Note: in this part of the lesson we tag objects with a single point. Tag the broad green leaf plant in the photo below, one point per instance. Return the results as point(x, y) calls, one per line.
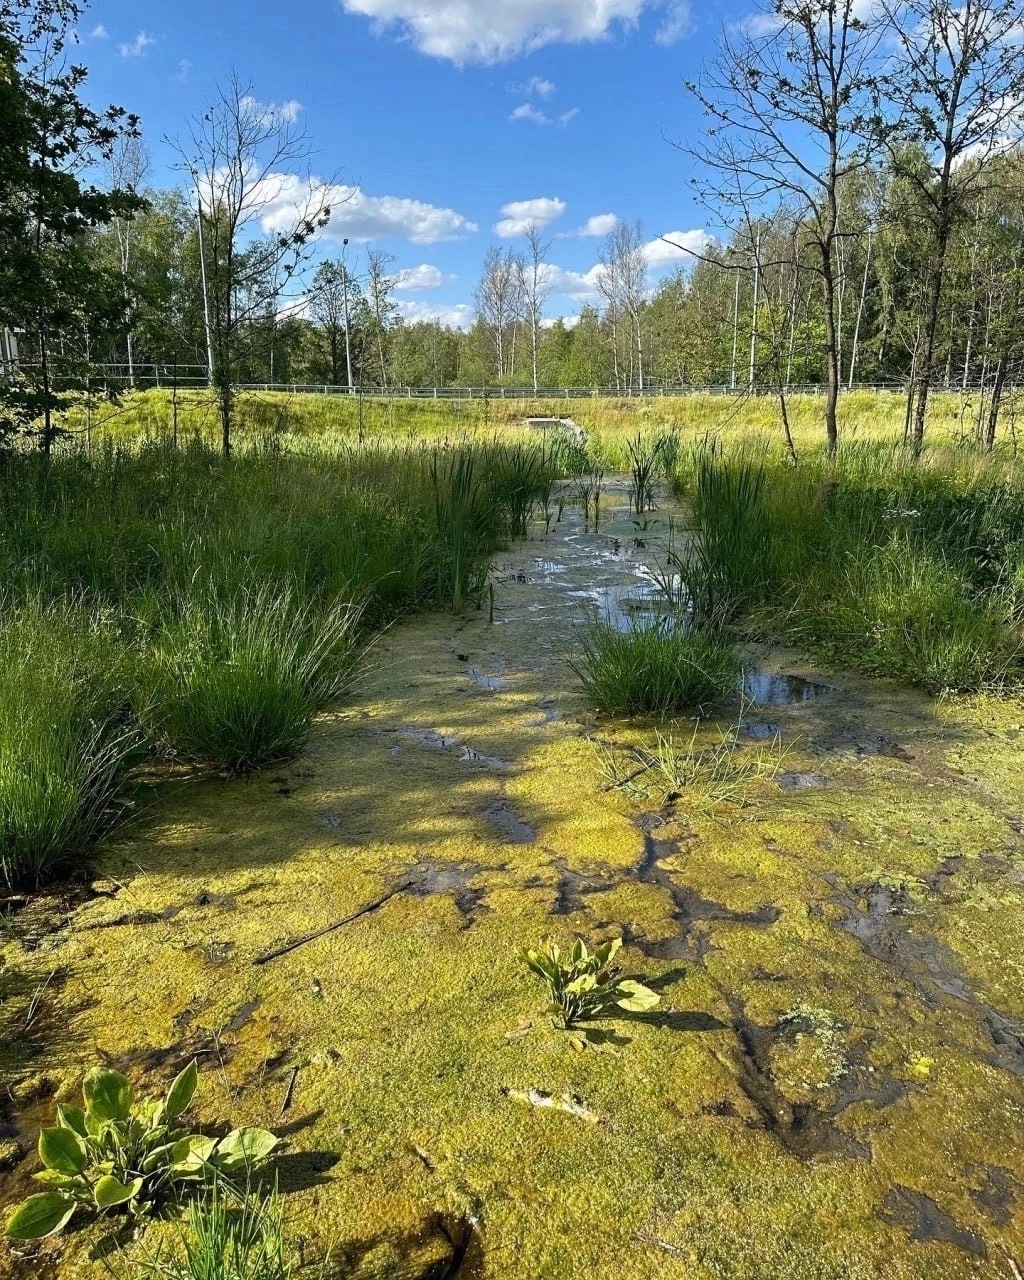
point(585, 984)
point(118, 1154)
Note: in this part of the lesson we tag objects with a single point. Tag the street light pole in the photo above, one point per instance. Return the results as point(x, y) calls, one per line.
point(344, 282)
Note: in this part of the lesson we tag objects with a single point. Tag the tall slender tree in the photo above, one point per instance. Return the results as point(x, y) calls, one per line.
point(791, 108)
point(242, 157)
point(957, 83)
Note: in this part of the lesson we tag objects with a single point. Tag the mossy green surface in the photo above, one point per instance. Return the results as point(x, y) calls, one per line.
point(780, 1116)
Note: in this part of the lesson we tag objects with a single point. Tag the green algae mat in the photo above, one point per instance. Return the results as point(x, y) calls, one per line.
point(831, 1088)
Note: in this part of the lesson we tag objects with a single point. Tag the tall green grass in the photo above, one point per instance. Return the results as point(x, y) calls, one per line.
point(655, 670)
point(235, 677)
point(67, 739)
point(896, 568)
point(158, 596)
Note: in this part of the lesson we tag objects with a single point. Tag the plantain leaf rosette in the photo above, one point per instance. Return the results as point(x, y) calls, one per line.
point(117, 1155)
point(586, 984)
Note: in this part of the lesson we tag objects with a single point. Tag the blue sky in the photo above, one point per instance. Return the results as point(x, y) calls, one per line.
point(450, 117)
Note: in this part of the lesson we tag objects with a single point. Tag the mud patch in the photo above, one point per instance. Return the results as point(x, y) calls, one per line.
point(573, 886)
point(568, 1103)
point(493, 684)
point(427, 879)
point(804, 1129)
point(512, 828)
point(995, 1192)
point(491, 763)
point(925, 1221)
point(689, 909)
point(802, 781)
point(431, 739)
point(759, 730)
point(875, 916)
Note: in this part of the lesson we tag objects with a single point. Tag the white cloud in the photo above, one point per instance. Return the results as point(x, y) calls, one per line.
point(678, 22)
point(424, 276)
point(581, 286)
point(538, 87)
point(458, 316)
point(358, 216)
point(527, 111)
point(670, 250)
point(522, 214)
point(137, 48)
point(99, 32)
point(601, 224)
point(270, 113)
point(184, 67)
point(496, 30)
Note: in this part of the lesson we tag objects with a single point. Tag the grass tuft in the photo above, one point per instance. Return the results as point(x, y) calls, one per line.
point(67, 741)
point(655, 670)
point(236, 677)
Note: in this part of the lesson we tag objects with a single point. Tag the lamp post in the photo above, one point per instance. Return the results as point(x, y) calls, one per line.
point(344, 284)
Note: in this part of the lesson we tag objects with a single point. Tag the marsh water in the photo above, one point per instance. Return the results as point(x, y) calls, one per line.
point(832, 1085)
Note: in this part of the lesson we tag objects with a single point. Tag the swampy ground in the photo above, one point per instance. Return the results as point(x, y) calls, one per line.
point(832, 1087)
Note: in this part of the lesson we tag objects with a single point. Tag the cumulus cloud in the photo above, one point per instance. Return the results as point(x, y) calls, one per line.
point(601, 224)
point(670, 250)
point(358, 216)
point(458, 316)
point(270, 113)
point(137, 48)
point(425, 276)
point(582, 286)
point(99, 32)
point(520, 215)
point(496, 30)
point(527, 111)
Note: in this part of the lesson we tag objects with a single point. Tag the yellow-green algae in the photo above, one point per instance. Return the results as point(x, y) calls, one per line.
point(418, 1036)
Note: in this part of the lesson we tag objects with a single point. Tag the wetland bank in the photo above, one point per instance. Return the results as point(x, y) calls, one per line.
point(822, 881)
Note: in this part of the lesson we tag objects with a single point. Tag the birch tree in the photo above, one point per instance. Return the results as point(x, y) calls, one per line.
point(622, 281)
point(957, 82)
point(789, 101)
point(249, 167)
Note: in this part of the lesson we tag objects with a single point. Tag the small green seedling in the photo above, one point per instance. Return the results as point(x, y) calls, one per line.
point(585, 985)
point(119, 1154)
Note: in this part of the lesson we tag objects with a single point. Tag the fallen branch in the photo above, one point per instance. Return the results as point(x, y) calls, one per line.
point(289, 1091)
point(645, 1237)
point(338, 924)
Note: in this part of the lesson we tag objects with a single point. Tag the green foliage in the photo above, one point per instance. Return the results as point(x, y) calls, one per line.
point(899, 610)
point(726, 566)
point(67, 741)
point(119, 1154)
point(895, 568)
point(704, 772)
point(51, 287)
point(227, 1235)
point(236, 675)
point(463, 522)
point(586, 985)
point(156, 597)
point(643, 456)
point(657, 669)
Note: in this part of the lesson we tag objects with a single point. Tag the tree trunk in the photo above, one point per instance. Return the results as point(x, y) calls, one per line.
point(925, 373)
point(993, 412)
point(832, 374)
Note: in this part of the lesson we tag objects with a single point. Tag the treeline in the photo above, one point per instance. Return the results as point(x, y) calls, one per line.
point(868, 173)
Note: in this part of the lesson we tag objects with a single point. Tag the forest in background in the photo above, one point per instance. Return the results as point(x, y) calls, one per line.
point(865, 174)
